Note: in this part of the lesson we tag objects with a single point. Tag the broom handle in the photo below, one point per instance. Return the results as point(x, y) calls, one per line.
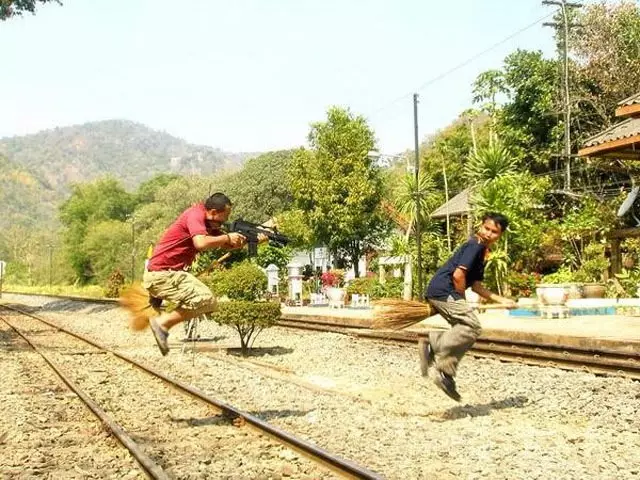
point(214, 263)
point(489, 306)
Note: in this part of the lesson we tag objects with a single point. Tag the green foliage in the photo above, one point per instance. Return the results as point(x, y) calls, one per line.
point(260, 190)
point(90, 204)
point(147, 190)
point(405, 199)
point(522, 284)
point(562, 275)
point(10, 8)
point(526, 121)
point(338, 187)
point(449, 150)
point(521, 197)
point(248, 318)
point(582, 223)
point(489, 163)
point(114, 284)
point(497, 269)
point(273, 255)
point(392, 288)
point(629, 280)
point(108, 247)
point(607, 52)
point(594, 264)
point(243, 281)
point(243, 284)
point(293, 224)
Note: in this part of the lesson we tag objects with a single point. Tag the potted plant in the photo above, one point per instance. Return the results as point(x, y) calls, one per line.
point(593, 268)
point(332, 283)
point(554, 289)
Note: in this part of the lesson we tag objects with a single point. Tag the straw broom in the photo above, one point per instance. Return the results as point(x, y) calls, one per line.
point(136, 300)
point(396, 314)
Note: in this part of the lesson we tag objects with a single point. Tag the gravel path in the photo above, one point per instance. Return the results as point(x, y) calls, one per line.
point(366, 401)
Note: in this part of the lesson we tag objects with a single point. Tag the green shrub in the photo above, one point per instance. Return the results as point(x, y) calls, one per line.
point(249, 318)
point(243, 281)
point(522, 284)
point(392, 288)
point(562, 275)
point(244, 284)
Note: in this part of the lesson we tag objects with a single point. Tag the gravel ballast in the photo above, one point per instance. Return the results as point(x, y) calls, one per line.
point(366, 401)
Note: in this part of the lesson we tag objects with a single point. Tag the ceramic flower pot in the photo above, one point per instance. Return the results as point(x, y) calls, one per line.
point(335, 294)
point(550, 294)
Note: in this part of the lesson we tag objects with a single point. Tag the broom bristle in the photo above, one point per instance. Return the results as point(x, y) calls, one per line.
point(396, 314)
point(135, 300)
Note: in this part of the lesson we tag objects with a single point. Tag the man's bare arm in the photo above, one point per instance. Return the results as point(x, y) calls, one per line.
point(227, 240)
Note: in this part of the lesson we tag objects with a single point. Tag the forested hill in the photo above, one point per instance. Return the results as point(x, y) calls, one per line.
point(129, 151)
point(37, 170)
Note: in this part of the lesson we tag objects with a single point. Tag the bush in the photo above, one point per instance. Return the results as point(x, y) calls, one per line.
point(392, 288)
point(522, 284)
point(563, 275)
point(243, 281)
point(114, 284)
point(244, 284)
point(249, 318)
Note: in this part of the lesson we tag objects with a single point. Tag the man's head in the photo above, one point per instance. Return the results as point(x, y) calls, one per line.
point(492, 228)
point(218, 207)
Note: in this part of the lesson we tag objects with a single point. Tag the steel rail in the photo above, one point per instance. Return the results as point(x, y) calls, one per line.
point(335, 463)
point(600, 361)
point(151, 468)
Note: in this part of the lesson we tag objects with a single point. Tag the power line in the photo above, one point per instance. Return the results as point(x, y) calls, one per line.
point(462, 64)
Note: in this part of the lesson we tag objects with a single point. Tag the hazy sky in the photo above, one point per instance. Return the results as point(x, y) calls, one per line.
point(251, 75)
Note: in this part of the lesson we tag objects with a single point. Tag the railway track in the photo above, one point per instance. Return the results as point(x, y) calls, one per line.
point(70, 357)
point(601, 362)
point(598, 361)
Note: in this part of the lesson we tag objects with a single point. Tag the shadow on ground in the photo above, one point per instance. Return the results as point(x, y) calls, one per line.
point(260, 352)
point(463, 411)
point(223, 419)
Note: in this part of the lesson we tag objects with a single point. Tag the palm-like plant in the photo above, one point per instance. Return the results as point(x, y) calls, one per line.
point(414, 193)
point(489, 163)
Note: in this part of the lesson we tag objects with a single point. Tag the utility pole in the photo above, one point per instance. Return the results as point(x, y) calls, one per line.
point(133, 249)
point(418, 193)
point(563, 4)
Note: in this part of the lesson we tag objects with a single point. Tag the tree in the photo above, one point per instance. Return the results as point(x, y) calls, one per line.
point(147, 190)
point(108, 248)
point(260, 190)
point(528, 120)
point(607, 52)
point(91, 203)
point(338, 187)
point(10, 8)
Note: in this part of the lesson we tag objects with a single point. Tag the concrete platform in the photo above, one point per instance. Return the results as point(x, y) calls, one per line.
point(596, 332)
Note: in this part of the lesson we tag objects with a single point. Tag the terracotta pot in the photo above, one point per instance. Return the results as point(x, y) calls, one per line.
point(594, 290)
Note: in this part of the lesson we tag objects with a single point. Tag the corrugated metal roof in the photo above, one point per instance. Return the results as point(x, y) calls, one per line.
point(625, 129)
point(458, 205)
point(633, 99)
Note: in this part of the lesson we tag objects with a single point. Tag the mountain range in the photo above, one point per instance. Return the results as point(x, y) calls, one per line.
point(37, 171)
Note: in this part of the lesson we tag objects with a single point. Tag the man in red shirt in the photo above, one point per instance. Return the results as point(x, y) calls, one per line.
point(196, 229)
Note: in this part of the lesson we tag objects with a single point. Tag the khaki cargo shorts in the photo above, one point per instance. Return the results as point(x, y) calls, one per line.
point(181, 288)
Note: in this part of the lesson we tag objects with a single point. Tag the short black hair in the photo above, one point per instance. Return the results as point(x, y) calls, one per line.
point(218, 201)
point(498, 219)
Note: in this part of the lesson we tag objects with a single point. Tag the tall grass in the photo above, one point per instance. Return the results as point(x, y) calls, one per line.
point(94, 291)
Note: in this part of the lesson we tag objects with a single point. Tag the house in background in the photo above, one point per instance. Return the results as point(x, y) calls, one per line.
point(620, 141)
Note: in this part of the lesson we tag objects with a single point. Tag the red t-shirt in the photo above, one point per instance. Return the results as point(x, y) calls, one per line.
point(175, 250)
